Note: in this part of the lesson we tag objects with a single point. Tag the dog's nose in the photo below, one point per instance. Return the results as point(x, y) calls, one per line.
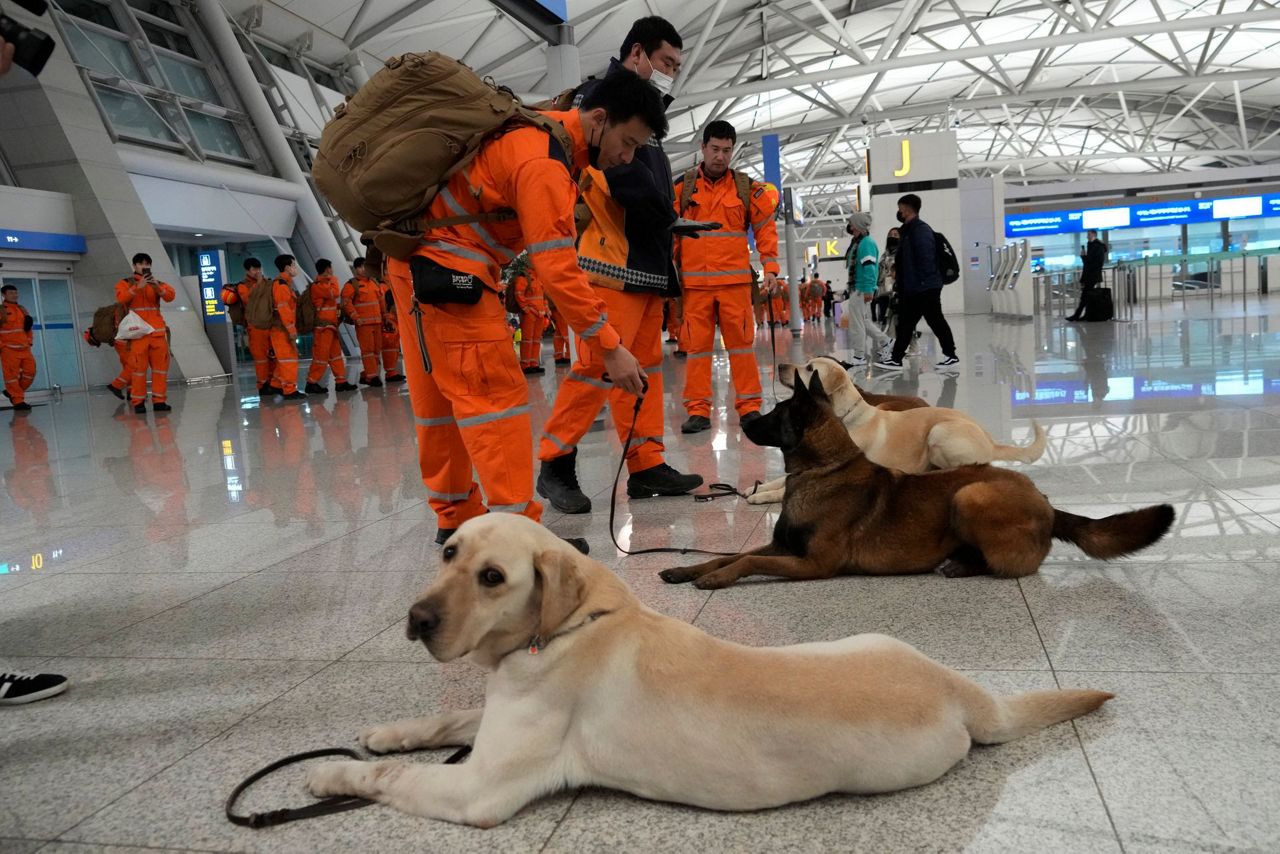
point(423, 620)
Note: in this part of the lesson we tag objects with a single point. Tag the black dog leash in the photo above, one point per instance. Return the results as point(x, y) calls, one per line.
point(327, 806)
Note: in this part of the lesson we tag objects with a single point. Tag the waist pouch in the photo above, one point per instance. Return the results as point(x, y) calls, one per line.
point(437, 285)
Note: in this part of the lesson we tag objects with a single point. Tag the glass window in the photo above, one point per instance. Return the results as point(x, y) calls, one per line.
point(158, 8)
point(217, 136)
point(162, 37)
point(101, 52)
point(189, 80)
point(276, 57)
point(90, 11)
point(131, 116)
point(324, 78)
point(1204, 237)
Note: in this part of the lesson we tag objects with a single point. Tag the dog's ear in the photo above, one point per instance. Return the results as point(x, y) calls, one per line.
point(816, 389)
point(801, 391)
point(787, 374)
point(562, 588)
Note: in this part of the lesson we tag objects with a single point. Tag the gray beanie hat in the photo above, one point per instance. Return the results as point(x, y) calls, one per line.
point(861, 220)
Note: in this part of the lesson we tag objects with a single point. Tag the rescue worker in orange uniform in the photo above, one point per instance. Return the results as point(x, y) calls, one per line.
point(716, 273)
point(625, 250)
point(390, 335)
point(560, 335)
point(326, 346)
point(780, 301)
point(16, 338)
point(470, 400)
point(121, 382)
point(141, 293)
point(364, 306)
point(264, 361)
point(284, 328)
point(533, 321)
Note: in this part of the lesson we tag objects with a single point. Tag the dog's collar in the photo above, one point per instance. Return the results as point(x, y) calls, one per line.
point(538, 643)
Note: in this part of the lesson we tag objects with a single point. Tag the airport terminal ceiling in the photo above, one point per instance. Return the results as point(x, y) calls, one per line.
point(1036, 90)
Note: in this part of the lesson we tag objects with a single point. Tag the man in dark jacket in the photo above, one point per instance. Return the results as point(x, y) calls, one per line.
point(919, 287)
point(626, 251)
point(1094, 258)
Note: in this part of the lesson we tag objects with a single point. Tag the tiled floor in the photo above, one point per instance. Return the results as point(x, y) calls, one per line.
point(227, 585)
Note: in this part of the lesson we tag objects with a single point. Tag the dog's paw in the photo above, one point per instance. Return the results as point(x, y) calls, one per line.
point(714, 580)
point(333, 778)
point(676, 575)
point(387, 738)
point(759, 498)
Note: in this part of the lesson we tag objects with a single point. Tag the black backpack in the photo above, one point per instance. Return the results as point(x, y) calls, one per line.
point(948, 264)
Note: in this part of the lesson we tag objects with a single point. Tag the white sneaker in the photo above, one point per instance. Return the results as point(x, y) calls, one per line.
point(888, 364)
point(856, 361)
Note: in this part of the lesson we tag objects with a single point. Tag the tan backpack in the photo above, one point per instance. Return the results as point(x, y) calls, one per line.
point(743, 182)
point(261, 311)
point(105, 322)
point(306, 314)
point(390, 148)
point(235, 310)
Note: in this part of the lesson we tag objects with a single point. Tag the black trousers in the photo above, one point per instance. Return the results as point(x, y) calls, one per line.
point(1085, 287)
point(912, 308)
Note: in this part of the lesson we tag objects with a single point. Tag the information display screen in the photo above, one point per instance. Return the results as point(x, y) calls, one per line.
point(1136, 216)
point(210, 268)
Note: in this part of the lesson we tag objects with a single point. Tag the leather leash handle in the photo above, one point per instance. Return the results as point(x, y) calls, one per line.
point(327, 806)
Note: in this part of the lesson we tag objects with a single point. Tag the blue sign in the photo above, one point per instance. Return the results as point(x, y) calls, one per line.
point(1176, 212)
point(210, 268)
point(41, 241)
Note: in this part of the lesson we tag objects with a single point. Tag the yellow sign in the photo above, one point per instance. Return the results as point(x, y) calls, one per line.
point(906, 160)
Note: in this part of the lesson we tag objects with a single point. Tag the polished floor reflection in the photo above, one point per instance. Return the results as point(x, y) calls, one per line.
point(226, 585)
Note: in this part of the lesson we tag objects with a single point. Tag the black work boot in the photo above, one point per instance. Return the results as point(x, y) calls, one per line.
point(661, 479)
point(696, 424)
point(558, 483)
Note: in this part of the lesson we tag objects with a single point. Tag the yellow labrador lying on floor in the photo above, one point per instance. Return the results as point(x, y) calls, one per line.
point(913, 441)
point(588, 687)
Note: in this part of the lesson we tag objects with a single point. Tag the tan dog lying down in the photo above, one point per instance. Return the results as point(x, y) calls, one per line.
point(912, 440)
point(623, 697)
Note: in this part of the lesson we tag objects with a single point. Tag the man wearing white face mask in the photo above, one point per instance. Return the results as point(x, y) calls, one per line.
point(625, 250)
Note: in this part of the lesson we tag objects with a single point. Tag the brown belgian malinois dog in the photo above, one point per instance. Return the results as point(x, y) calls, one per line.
point(845, 515)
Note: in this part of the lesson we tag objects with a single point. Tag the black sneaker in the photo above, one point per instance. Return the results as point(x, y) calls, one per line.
point(661, 479)
point(564, 361)
point(316, 388)
point(443, 535)
point(696, 424)
point(888, 363)
point(161, 407)
point(395, 378)
point(747, 417)
point(533, 369)
point(345, 386)
point(268, 390)
point(140, 409)
point(22, 407)
point(375, 382)
point(295, 395)
point(19, 688)
point(948, 362)
point(118, 392)
point(558, 483)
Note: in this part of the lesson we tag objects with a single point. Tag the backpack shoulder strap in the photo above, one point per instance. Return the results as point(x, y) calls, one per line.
point(688, 183)
point(743, 182)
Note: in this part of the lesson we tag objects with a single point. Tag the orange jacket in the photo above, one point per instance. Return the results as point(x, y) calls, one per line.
point(529, 295)
point(326, 293)
point(285, 301)
point(14, 334)
point(362, 302)
point(144, 298)
point(723, 257)
point(524, 170)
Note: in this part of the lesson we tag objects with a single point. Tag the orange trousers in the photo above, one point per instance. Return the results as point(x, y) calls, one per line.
point(264, 363)
point(391, 352)
point(674, 321)
point(326, 354)
point(19, 368)
point(638, 319)
point(369, 336)
point(126, 366)
point(532, 325)
point(730, 307)
point(561, 337)
point(781, 310)
point(149, 351)
point(471, 406)
point(286, 350)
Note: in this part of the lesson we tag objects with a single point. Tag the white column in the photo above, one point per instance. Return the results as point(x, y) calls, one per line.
point(564, 68)
point(356, 69)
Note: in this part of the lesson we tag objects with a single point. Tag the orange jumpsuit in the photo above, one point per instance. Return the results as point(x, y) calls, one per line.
point(284, 333)
point(264, 362)
point(560, 334)
point(390, 336)
point(149, 351)
point(363, 304)
point(326, 347)
point(121, 381)
point(781, 301)
point(470, 399)
point(715, 271)
point(533, 319)
point(18, 364)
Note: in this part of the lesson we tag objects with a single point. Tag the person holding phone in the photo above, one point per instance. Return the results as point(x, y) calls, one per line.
point(142, 293)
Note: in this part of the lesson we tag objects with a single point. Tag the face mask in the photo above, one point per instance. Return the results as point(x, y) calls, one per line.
point(658, 80)
point(593, 152)
point(901, 218)
point(848, 229)
point(891, 244)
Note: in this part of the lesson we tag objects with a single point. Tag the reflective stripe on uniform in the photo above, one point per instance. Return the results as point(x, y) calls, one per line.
point(595, 327)
point(553, 440)
point(548, 245)
point(738, 351)
point(447, 496)
point(458, 251)
point(741, 234)
point(598, 383)
point(433, 422)
point(705, 355)
point(484, 234)
point(508, 508)
point(493, 416)
point(716, 273)
point(749, 396)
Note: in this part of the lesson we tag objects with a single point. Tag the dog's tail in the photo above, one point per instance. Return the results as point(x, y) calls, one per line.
point(1113, 536)
point(1026, 453)
point(1002, 719)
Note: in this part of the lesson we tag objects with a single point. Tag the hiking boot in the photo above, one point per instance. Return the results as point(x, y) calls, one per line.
point(118, 392)
point(140, 409)
point(558, 483)
point(295, 395)
point(375, 382)
point(161, 406)
point(395, 378)
point(443, 535)
point(681, 354)
point(18, 688)
point(316, 388)
point(268, 390)
point(345, 386)
point(696, 424)
point(533, 369)
point(563, 360)
point(747, 417)
point(22, 407)
point(661, 479)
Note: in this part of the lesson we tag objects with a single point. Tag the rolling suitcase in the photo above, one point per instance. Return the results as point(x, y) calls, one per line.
point(1098, 305)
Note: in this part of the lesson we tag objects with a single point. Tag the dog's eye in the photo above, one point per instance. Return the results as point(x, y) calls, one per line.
point(450, 552)
point(491, 577)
